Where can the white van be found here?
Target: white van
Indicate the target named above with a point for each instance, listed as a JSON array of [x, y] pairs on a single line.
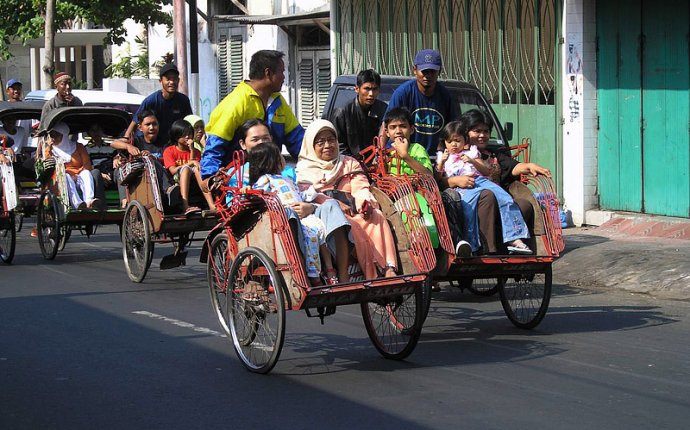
[[125, 101]]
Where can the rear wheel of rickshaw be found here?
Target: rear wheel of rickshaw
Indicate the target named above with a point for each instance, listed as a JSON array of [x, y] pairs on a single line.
[[66, 233], [256, 317], [484, 287], [216, 273], [18, 220], [48, 224], [137, 244], [394, 324], [8, 239], [525, 298]]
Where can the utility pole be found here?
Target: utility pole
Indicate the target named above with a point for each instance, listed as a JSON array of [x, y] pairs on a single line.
[[49, 45], [180, 29]]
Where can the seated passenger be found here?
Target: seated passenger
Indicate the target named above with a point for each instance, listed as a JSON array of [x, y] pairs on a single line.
[[145, 144], [17, 139], [182, 162], [265, 167], [460, 158], [199, 131], [322, 166], [413, 157], [77, 166]]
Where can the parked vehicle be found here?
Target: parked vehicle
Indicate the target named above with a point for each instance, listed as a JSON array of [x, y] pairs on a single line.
[[113, 99], [466, 95]]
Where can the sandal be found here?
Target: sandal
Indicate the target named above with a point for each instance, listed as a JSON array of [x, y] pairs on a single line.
[[330, 277], [518, 247], [192, 210]]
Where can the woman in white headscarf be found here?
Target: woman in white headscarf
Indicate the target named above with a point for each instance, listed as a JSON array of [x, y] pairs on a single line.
[[77, 166], [320, 164]]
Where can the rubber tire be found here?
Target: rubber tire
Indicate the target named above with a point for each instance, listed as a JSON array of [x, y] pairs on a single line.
[[8, 241], [47, 217], [392, 337], [246, 350], [216, 274], [525, 301], [18, 221], [482, 287], [138, 264], [64, 237]]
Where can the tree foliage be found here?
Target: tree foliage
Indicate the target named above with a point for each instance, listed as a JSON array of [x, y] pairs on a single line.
[[24, 19]]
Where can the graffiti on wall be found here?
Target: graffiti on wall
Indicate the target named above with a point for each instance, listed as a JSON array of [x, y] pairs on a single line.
[[574, 78]]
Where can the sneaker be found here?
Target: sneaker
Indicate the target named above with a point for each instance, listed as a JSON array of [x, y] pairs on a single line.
[[463, 249], [81, 206]]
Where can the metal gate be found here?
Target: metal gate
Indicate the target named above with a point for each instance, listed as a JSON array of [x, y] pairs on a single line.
[[643, 76], [507, 48]]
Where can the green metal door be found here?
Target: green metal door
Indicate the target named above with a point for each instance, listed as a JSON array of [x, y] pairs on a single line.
[[665, 107], [643, 78]]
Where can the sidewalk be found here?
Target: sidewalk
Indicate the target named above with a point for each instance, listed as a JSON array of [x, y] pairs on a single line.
[[628, 253]]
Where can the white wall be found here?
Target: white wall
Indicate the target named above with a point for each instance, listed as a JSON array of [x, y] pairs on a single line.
[[579, 109]]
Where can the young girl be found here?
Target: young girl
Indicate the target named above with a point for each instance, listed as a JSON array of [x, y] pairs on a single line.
[[265, 166], [182, 161], [462, 159], [77, 166]]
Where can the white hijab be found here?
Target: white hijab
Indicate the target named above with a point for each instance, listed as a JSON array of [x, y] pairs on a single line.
[[63, 151]]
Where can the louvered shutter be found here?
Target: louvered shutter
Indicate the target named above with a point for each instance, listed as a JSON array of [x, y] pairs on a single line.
[[230, 64], [323, 84], [306, 92]]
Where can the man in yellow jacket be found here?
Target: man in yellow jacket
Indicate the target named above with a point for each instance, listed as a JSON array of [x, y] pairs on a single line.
[[259, 97]]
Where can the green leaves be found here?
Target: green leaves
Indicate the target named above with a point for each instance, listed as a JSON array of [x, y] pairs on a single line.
[[25, 20]]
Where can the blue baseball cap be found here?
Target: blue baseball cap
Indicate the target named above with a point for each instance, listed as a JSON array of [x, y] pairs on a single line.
[[12, 82], [427, 59]]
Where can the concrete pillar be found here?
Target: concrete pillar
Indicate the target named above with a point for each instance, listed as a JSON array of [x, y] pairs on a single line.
[[89, 66], [35, 55], [78, 67]]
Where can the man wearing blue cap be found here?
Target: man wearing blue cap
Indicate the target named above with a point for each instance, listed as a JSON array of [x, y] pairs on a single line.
[[13, 89], [429, 101]]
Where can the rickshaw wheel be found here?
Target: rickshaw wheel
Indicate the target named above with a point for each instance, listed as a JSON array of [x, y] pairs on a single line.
[[484, 287], [394, 324], [216, 273], [48, 223], [64, 237], [256, 317], [18, 221], [137, 246], [525, 298], [8, 240]]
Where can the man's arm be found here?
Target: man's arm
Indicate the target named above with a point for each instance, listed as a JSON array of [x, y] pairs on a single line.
[[214, 155], [130, 130]]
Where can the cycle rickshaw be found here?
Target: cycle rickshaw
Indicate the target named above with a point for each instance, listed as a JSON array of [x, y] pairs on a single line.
[[55, 217], [28, 191], [256, 273], [151, 217], [522, 281]]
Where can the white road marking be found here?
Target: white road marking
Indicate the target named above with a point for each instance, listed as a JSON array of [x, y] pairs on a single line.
[[180, 323]]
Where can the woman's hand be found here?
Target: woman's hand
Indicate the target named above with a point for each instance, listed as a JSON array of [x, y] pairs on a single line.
[[303, 209], [535, 169]]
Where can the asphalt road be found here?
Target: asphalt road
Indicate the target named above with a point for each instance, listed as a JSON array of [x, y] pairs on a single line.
[[81, 347]]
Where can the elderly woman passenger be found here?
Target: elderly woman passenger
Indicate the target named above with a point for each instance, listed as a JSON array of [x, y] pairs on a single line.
[[321, 165]]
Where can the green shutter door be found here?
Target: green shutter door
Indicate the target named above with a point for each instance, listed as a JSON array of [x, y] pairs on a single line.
[[666, 120], [644, 120], [619, 98]]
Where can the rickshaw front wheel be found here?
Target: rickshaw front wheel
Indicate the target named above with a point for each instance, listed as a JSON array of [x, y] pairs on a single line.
[[256, 317], [8, 239], [217, 276], [137, 244], [394, 324], [48, 222], [525, 298]]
